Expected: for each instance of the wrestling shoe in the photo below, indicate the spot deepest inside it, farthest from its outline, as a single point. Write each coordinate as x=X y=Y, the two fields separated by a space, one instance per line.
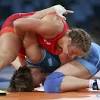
x=96 y=85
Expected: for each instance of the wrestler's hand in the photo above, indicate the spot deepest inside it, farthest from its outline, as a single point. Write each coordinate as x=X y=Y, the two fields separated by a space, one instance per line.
x=60 y=10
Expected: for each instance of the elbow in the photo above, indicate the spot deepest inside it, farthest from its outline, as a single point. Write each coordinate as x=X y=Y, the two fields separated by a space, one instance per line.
x=17 y=24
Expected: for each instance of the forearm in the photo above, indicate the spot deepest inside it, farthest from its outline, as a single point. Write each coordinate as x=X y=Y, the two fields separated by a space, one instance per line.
x=33 y=22
x=58 y=9
x=40 y=14
x=54 y=9
x=28 y=24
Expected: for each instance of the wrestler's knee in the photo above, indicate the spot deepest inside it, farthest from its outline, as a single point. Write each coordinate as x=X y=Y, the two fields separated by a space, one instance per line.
x=53 y=82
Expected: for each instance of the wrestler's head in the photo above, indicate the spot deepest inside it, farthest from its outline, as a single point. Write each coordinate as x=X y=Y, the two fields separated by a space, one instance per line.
x=21 y=80
x=25 y=79
x=80 y=39
x=79 y=42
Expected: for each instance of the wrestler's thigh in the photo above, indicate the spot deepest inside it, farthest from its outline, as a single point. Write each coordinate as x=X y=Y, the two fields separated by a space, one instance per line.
x=74 y=68
x=9 y=43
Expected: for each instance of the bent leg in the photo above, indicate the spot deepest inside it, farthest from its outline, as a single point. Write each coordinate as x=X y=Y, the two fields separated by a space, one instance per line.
x=62 y=83
x=9 y=48
x=71 y=76
x=75 y=68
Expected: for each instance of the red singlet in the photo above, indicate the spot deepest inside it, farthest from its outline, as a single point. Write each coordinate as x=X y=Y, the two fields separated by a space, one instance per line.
x=51 y=44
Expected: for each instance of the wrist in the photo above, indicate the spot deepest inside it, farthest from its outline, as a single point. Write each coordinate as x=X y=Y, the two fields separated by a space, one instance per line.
x=59 y=9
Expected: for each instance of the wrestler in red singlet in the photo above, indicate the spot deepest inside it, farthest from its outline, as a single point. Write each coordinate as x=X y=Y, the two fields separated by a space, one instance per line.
x=51 y=44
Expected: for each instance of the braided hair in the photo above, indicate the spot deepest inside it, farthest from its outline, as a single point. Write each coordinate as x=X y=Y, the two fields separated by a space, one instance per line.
x=21 y=81
x=80 y=38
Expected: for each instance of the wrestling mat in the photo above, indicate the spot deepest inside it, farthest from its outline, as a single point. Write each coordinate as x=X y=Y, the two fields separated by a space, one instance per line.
x=39 y=94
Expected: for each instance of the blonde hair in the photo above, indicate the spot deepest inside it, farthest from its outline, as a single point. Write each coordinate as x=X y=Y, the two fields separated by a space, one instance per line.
x=80 y=38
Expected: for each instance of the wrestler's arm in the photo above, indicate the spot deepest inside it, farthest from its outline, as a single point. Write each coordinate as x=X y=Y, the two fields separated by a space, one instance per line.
x=23 y=25
x=31 y=23
x=38 y=26
x=54 y=9
x=34 y=24
x=42 y=13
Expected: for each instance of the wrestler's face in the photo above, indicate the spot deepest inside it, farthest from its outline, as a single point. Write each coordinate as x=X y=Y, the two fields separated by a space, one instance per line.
x=74 y=51
x=63 y=43
x=69 y=49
